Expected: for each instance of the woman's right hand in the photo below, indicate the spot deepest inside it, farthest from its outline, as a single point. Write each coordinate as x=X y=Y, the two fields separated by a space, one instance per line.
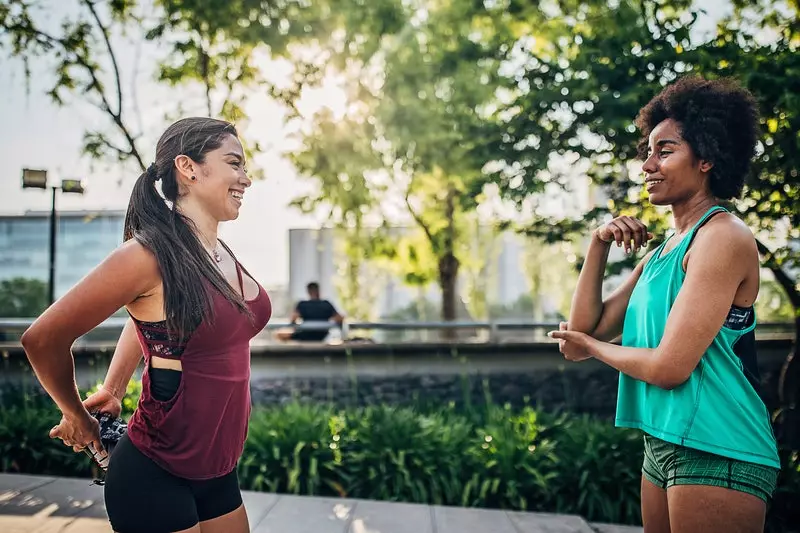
x=104 y=402
x=78 y=431
x=624 y=230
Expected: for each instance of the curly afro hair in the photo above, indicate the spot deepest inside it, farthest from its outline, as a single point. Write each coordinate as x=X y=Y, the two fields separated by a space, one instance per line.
x=719 y=120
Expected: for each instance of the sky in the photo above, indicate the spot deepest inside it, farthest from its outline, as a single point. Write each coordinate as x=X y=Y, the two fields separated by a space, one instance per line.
x=36 y=133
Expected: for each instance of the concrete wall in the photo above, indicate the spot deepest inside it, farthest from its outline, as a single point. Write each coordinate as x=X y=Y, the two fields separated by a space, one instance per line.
x=517 y=374
x=521 y=373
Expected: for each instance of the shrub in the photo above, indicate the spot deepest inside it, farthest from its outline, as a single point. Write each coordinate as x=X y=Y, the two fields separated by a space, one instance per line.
x=602 y=474
x=291 y=449
x=26 y=419
x=492 y=457
x=398 y=454
x=512 y=464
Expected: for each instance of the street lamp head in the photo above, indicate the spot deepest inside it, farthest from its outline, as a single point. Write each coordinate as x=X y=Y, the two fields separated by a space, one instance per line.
x=73 y=186
x=34 y=178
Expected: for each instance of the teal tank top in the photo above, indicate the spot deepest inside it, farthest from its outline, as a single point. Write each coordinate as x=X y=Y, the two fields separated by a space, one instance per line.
x=717 y=410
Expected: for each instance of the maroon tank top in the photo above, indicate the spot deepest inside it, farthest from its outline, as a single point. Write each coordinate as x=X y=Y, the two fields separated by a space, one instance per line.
x=200 y=432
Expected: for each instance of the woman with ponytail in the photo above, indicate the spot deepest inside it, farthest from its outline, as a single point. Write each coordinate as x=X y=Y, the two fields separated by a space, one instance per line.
x=193 y=310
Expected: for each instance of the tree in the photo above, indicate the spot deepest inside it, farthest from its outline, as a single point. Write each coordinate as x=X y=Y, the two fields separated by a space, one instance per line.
x=577 y=97
x=214 y=43
x=421 y=95
x=22 y=297
x=85 y=66
x=338 y=154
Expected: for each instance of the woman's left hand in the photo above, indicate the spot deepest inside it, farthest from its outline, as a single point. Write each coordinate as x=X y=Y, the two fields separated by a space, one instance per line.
x=573 y=344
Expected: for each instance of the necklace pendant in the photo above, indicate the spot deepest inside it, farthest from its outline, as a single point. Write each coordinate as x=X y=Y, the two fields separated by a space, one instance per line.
x=217 y=257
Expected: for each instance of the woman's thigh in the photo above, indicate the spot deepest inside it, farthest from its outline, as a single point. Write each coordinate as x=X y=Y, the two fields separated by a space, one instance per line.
x=142 y=497
x=702 y=508
x=655 y=510
x=219 y=504
x=708 y=492
x=232 y=522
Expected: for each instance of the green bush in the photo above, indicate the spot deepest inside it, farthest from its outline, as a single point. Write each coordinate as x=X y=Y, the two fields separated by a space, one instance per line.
x=291 y=450
x=512 y=463
x=784 y=513
x=600 y=469
x=491 y=457
x=397 y=454
x=25 y=445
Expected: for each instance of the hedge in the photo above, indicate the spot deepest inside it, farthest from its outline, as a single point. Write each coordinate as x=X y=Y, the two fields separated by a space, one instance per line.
x=491 y=457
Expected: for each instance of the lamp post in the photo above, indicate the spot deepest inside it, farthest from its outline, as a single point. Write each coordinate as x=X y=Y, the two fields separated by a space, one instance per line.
x=37 y=179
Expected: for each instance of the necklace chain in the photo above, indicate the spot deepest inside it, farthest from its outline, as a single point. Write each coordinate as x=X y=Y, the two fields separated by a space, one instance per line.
x=214 y=252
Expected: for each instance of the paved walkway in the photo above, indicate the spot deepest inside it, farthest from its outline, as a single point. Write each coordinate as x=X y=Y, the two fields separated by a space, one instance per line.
x=36 y=504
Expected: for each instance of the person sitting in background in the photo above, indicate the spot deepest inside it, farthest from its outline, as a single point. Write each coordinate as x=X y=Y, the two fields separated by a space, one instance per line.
x=315 y=309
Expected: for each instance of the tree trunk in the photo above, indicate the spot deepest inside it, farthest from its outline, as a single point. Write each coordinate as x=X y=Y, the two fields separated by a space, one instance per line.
x=448 y=275
x=787 y=417
x=448 y=265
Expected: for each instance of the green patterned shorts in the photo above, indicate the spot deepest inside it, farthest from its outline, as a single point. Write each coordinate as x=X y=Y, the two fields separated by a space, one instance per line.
x=667 y=464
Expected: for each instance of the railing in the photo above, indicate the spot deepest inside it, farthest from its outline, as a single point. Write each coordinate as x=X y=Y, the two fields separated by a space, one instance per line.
x=108 y=331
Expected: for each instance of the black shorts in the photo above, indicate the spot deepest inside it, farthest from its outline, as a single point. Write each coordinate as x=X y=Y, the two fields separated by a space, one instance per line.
x=141 y=496
x=313 y=335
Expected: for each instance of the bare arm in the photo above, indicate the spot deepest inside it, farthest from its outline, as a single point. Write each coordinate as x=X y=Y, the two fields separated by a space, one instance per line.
x=589 y=313
x=126 y=358
x=128 y=272
x=717 y=268
x=336 y=316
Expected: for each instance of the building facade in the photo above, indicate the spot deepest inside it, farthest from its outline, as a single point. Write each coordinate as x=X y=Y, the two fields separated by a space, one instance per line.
x=84 y=239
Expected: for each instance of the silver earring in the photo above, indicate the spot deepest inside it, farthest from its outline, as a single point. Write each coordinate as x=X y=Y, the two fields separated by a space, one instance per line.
x=193 y=178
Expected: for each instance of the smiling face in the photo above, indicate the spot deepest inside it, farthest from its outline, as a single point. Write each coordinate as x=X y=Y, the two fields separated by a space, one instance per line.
x=672 y=171
x=221 y=181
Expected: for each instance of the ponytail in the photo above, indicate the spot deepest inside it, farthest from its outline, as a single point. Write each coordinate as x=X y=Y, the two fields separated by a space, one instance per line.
x=146 y=207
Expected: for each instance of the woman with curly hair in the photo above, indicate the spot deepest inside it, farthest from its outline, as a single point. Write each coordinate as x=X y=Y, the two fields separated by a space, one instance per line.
x=687 y=362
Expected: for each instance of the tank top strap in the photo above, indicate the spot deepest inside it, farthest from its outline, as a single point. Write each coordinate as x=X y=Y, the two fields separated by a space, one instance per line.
x=238 y=266
x=687 y=242
x=708 y=214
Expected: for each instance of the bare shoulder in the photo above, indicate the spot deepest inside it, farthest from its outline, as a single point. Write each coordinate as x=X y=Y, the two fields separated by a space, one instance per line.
x=724 y=239
x=134 y=259
x=727 y=230
x=128 y=272
x=134 y=251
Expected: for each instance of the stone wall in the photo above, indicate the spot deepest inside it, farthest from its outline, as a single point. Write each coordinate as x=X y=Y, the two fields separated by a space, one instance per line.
x=582 y=392
x=533 y=374
x=434 y=374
